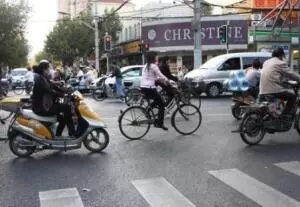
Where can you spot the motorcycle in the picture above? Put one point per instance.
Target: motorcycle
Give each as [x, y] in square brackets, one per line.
[265, 117]
[29, 132]
[239, 100]
[78, 83]
[102, 90]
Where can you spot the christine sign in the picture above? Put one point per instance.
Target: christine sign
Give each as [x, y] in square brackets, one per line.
[181, 34]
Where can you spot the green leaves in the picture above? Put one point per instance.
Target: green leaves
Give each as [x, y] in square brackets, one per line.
[72, 39]
[13, 45]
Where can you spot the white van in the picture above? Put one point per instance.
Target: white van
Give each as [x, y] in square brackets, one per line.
[210, 76]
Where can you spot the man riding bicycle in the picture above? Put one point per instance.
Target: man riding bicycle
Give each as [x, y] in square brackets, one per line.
[274, 73]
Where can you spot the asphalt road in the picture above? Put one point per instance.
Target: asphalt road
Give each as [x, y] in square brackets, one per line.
[211, 168]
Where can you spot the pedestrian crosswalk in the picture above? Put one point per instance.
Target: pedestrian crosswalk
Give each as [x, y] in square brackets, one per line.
[256, 190]
[158, 192]
[68, 197]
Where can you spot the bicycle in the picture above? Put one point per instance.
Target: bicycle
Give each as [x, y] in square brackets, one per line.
[143, 117]
[135, 96]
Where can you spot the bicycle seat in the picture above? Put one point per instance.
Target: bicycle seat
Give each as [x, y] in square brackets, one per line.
[30, 114]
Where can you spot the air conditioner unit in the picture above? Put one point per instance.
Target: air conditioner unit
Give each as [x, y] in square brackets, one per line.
[256, 17]
[254, 23]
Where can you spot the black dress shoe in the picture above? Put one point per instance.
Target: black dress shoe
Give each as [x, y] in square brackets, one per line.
[161, 126]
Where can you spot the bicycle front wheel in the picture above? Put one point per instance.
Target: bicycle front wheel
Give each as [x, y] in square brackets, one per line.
[186, 119]
[134, 122]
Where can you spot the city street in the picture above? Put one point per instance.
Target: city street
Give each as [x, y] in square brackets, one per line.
[211, 168]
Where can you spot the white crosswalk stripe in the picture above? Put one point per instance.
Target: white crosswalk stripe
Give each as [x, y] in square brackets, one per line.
[68, 197]
[158, 192]
[292, 167]
[255, 190]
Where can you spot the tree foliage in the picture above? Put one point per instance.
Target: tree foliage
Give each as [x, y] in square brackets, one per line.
[13, 45]
[205, 9]
[72, 39]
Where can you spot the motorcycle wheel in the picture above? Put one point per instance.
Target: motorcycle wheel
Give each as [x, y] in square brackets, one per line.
[17, 145]
[251, 128]
[236, 111]
[99, 137]
[98, 96]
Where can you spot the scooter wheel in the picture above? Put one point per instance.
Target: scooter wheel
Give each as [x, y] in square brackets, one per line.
[97, 140]
[237, 111]
[20, 146]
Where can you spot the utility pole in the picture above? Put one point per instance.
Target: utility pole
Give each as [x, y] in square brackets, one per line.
[96, 37]
[197, 34]
[298, 36]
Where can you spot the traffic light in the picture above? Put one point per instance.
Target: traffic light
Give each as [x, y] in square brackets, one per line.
[107, 43]
[143, 47]
[223, 34]
[146, 46]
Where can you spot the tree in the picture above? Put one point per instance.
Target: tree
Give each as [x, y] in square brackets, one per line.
[42, 56]
[71, 39]
[13, 45]
[205, 9]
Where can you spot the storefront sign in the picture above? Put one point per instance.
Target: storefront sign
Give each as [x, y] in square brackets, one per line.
[181, 34]
[132, 47]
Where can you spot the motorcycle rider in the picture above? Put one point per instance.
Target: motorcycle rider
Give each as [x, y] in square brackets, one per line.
[274, 72]
[165, 70]
[253, 77]
[44, 97]
[150, 75]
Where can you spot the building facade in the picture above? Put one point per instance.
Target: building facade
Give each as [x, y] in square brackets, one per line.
[175, 38]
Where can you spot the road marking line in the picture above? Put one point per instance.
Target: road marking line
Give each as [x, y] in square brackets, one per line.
[292, 167]
[159, 192]
[68, 197]
[257, 191]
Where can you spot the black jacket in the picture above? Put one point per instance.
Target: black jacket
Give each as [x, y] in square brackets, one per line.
[44, 94]
[165, 69]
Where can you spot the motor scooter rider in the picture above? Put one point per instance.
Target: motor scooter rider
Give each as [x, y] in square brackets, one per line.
[273, 75]
[44, 98]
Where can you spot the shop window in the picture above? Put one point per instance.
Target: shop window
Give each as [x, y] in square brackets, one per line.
[138, 30]
[135, 31]
[231, 64]
[130, 32]
[126, 34]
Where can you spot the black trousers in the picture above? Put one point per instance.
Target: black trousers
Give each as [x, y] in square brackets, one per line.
[151, 93]
[290, 98]
[64, 117]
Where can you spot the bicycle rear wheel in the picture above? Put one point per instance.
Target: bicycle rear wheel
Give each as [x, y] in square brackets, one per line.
[134, 122]
[186, 119]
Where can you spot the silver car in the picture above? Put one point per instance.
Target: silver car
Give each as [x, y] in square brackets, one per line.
[210, 76]
[17, 77]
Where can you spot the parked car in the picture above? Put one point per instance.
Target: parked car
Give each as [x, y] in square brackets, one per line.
[210, 76]
[17, 77]
[131, 76]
